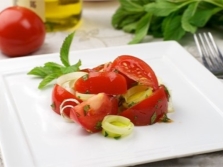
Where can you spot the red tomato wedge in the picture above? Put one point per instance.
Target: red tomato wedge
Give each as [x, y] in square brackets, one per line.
[135, 69]
[97, 68]
[96, 82]
[59, 94]
[149, 110]
[90, 113]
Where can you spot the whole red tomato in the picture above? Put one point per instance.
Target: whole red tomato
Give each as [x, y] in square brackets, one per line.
[21, 31]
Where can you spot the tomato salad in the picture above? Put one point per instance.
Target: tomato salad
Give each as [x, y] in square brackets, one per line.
[121, 93]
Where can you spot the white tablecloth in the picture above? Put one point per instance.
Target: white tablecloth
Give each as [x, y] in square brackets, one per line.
[96, 32]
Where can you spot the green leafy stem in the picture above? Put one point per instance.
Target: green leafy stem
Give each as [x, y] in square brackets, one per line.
[51, 70]
[169, 19]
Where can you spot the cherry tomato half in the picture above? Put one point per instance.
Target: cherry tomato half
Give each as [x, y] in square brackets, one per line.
[59, 94]
[90, 113]
[135, 69]
[96, 82]
[149, 110]
[21, 31]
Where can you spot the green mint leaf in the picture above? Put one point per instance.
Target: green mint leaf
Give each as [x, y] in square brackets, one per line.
[196, 14]
[131, 7]
[38, 71]
[53, 65]
[188, 13]
[119, 17]
[45, 70]
[130, 27]
[73, 68]
[218, 3]
[177, 1]
[48, 79]
[131, 19]
[155, 27]
[142, 2]
[142, 28]
[172, 29]
[64, 51]
[52, 70]
[202, 16]
[161, 8]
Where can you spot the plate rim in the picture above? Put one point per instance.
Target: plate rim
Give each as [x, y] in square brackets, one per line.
[188, 58]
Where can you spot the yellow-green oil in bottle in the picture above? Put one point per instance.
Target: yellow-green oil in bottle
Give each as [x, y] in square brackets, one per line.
[58, 15]
[62, 14]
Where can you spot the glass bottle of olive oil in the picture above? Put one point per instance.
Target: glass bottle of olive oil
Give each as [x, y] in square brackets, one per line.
[57, 14]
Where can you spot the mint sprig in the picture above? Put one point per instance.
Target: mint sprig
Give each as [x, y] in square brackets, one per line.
[64, 50]
[169, 19]
[51, 70]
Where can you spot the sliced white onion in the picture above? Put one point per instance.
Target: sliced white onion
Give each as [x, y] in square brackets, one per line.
[83, 96]
[62, 108]
[113, 130]
[64, 116]
[68, 80]
[70, 89]
[170, 107]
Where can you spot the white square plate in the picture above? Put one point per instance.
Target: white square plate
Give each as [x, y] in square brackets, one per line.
[32, 135]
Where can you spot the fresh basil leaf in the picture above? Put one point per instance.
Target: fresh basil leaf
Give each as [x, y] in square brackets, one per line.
[142, 28]
[64, 51]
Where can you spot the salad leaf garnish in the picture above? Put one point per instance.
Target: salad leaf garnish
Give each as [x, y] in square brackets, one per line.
[64, 51]
[51, 70]
[168, 19]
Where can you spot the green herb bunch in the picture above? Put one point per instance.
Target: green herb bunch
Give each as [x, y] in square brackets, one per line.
[51, 70]
[167, 19]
